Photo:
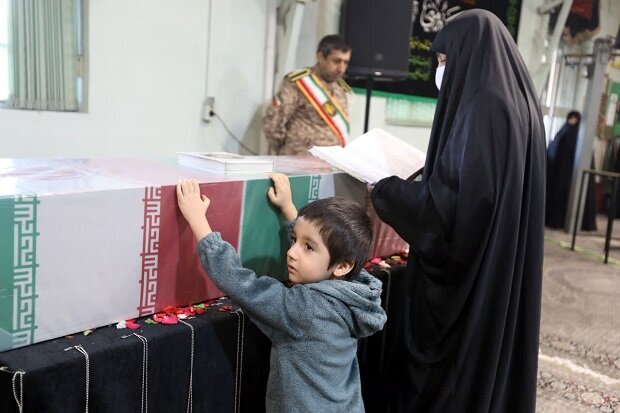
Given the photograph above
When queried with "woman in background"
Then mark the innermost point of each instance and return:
(560, 164)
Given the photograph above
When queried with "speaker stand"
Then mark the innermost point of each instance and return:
(369, 81)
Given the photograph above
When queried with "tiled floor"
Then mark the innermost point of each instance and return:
(579, 362)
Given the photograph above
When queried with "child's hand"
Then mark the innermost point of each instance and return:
(280, 195)
(193, 206)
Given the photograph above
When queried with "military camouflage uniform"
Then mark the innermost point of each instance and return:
(292, 125)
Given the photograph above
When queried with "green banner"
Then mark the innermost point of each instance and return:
(406, 110)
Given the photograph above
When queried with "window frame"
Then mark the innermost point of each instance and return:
(81, 79)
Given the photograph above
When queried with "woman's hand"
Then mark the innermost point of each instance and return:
(280, 195)
(194, 207)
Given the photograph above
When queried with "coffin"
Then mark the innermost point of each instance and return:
(89, 242)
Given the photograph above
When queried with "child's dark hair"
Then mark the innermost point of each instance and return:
(345, 229)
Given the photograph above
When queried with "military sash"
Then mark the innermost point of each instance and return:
(326, 106)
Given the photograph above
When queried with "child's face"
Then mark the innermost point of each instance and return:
(307, 258)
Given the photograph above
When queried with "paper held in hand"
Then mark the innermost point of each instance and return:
(373, 156)
(224, 162)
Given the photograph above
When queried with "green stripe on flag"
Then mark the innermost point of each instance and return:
(18, 265)
(7, 215)
(262, 245)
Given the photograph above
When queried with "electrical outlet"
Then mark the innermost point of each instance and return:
(207, 108)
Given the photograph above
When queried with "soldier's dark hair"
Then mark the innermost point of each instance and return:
(345, 229)
(332, 42)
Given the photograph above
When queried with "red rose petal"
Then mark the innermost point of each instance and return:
(170, 319)
(132, 325)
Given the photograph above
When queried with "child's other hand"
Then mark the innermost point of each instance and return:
(193, 206)
(280, 195)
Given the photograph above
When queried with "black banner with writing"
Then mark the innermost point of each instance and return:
(429, 17)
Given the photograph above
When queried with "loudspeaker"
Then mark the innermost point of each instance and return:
(378, 31)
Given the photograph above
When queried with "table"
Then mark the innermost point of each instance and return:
(228, 371)
(614, 177)
(379, 353)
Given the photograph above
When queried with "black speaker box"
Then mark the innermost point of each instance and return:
(378, 31)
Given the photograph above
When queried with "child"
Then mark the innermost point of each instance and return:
(314, 324)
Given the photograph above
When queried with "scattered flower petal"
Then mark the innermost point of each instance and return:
(132, 325)
(169, 309)
(170, 319)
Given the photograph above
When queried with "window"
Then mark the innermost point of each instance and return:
(4, 56)
(41, 54)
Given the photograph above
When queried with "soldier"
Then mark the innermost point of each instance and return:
(311, 106)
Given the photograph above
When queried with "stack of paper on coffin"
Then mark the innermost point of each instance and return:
(224, 162)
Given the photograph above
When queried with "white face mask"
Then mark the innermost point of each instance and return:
(439, 75)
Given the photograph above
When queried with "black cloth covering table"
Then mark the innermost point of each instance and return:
(230, 367)
(231, 364)
(381, 355)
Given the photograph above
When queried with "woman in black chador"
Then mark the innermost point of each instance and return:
(475, 224)
(560, 163)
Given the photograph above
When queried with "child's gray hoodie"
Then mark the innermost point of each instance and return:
(313, 329)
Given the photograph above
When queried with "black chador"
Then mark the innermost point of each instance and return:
(560, 163)
(475, 224)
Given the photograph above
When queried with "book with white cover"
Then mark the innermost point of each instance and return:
(224, 162)
(373, 156)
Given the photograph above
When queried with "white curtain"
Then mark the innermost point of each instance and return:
(42, 55)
